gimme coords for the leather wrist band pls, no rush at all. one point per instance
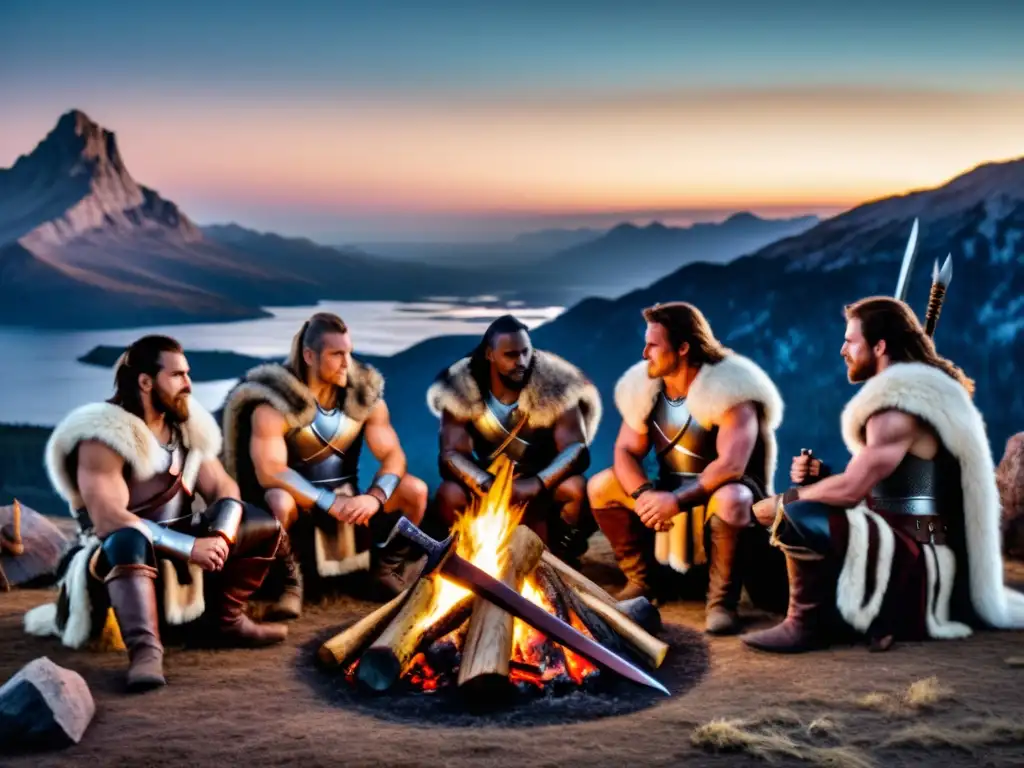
(691, 494)
(463, 469)
(648, 486)
(791, 495)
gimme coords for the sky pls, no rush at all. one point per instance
(356, 122)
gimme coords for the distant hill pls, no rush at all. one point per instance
(629, 256)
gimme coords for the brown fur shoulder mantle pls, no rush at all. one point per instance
(276, 385)
(555, 386)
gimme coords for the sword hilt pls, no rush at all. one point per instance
(935, 299)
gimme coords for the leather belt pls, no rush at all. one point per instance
(903, 505)
(924, 529)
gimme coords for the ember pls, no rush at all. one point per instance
(439, 634)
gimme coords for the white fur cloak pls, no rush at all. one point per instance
(130, 438)
(936, 398)
(716, 389)
(555, 386)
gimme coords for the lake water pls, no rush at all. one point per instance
(42, 379)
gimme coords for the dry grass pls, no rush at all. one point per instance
(967, 735)
(760, 737)
(920, 696)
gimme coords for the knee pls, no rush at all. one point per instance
(451, 499)
(732, 503)
(127, 546)
(282, 506)
(603, 488)
(572, 490)
(415, 495)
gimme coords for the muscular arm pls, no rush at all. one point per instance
(269, 453)
(103, 488)
(215, 483)
(737, 436)
(383, 443)
(630, 448)
(890, 435)
(456, 457)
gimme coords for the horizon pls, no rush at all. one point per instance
(350, 126)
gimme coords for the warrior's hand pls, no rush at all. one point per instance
(209, 553)
(525, 490)
(362, 508)
(804, 468)
(657, 508)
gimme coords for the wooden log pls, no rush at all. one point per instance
(344, 646)
(649, 647)
(488, 648)
(597, 626)
(390, 655)
(576, 579)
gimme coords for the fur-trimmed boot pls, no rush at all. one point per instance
(724, 582)
(804, 626)
(239, 579)
(289, 604)
(132, 592)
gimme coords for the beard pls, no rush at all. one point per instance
(174, 408)
(657, 369)
(516, 382)
(861, 370)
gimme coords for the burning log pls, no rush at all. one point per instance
(347, 643)
(649, 647)
(391, 654)
(598, 628)
(577, 579)
(488, 647)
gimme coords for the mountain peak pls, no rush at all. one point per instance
(77, 137)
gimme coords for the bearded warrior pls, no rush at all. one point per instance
(903, 544)
(294, 434)
(709, 415)
(538, 410)
(129, 468)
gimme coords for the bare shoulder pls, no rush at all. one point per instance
(268, 421)
(97, 457)
(740, 414)
(892, 426)
(379, 414)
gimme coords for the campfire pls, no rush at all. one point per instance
(438, 635)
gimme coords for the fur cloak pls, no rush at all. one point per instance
(717, 388)
(939, 400)
(277, 386)
(71, 617)
(555, 386)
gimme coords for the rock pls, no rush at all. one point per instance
(1010, 479)
(31, 547)
(44, 705)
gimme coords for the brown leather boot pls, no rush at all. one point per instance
(239, 579)
(132, 591)
(289, 604)
(803, 628)
(724, 584)
(625, 533)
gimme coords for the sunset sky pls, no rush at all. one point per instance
(433, 120)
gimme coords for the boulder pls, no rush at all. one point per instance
(31, 547)
(1010, 479)
(44, 705)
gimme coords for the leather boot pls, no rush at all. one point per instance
(724, 584)
(289, 604)
(803, 628)
(239, 579)
(388, 567)
(625, 533)
(132, 592)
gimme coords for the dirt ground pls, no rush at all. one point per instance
(844, 707)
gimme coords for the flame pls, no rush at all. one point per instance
(482, 535)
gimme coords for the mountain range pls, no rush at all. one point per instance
(84, 245)
(782, 306)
